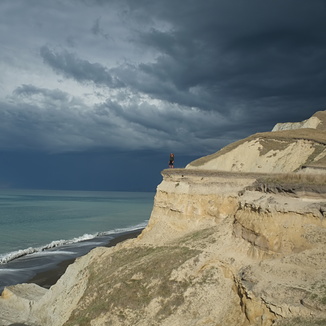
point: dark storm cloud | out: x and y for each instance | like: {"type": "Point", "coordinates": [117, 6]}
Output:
{"type": "Point", "coordinates": [42, 119]}
{"type": "Point", "coordinates": [71, 66]}
{"type": "Point", "coordinates": [244, 52]}
{"type": "Point", "coordinates": [152, 76]}
{"type": "Point", "coordinates": [97, 30]}
{"type": "Point", "coordinates": [30, 90]}
{"type": "Point", "coordinates": [96, 27]}
{"type": "Point", "coordinates": [252, 63]}
{"type": "Point", "coordinates": [56, 122]}
{"type": "Point", "coordinates": [168, 125]}
{"type": "Point", "coordinates": [252, 60]}
{"type": "Point", "coordinates": [109, 86]}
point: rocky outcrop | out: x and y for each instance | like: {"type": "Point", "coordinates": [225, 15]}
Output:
{"type": "Point", "coordinates": [220, 248]}
{"type": "Point", "coordinates": [16, 302]}
{"type": "Point", "coordinates": [317, 121]}
{"type": "Point", "coordinates": [291, 147]}
{"type": "Point", "coordinates": [271, 239]}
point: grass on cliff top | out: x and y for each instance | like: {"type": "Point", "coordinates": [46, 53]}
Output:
{"type": "Point", "coordinates": [321, 115]}
{"type": "Point", "coordinates": [296, 179]}
{"type": "Point", "coordinates": [276, 140]}
{"type": "Point", "coordinates": [129, 280]}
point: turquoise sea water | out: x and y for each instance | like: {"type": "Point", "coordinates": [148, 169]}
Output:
{"type": "Point", "coordinates": [48, 223]}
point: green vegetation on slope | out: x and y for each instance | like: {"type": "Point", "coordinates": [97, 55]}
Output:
{"type": "Point", "coordinates": [129, 279]}
{"type": "Point", "coordinates": [294, 179]}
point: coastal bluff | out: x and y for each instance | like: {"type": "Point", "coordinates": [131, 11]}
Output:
{"type": "Point", "coordinates": [236, 238]}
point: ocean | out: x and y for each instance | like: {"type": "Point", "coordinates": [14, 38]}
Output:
{"type": "Point", "coordinates": [41, 228]}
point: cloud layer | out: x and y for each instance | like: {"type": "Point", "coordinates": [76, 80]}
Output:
{"type": "Point", "coordinates": [188, 76]}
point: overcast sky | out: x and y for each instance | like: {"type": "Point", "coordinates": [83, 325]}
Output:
{"type": "Point", "coordinates": [95, 94]}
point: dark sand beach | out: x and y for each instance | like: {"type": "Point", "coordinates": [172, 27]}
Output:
{"type": "Point", "coordinates": [48, 278]}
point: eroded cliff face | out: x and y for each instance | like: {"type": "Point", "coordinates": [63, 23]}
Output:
{"type": "Point", "coordinates": [219, 249]}
{"type": "Point", "coordinates": [270, 239]}
{"type": "Point", "coordinates": [273, 152]}
{"type": "Point", "coordinates": [225, 245]}
{"type": "Point", "coordinates": [289, 147]}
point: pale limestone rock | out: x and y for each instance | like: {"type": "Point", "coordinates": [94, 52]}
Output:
{"type": "Point", "coordinates": [317, 121]}
{"type": "Point", "coordinates": [16, 302]}
{"type": "Point", "coordinates": [312, 122]}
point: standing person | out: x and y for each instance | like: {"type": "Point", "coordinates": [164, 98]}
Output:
{"type": "Point", "coordinates": [171, 162]}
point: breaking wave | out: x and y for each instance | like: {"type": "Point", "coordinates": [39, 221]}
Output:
{"type": "Point", "coordinates": [5, 258]}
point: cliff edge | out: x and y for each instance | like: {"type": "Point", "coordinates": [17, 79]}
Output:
{"type": "Point", "coordinates": [223, 246]}
{"type": "Point", "coordinates": [289, 147]}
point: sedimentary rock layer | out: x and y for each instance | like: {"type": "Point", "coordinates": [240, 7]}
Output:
{"type": "Point", "coordinates": [219, 249]}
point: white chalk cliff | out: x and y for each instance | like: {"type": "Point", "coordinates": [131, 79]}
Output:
{"type": "Point", "coordinates": [237, 238]}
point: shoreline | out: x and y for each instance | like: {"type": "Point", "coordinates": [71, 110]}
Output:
{"type": "Point", "coordinates": [48, 278]}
